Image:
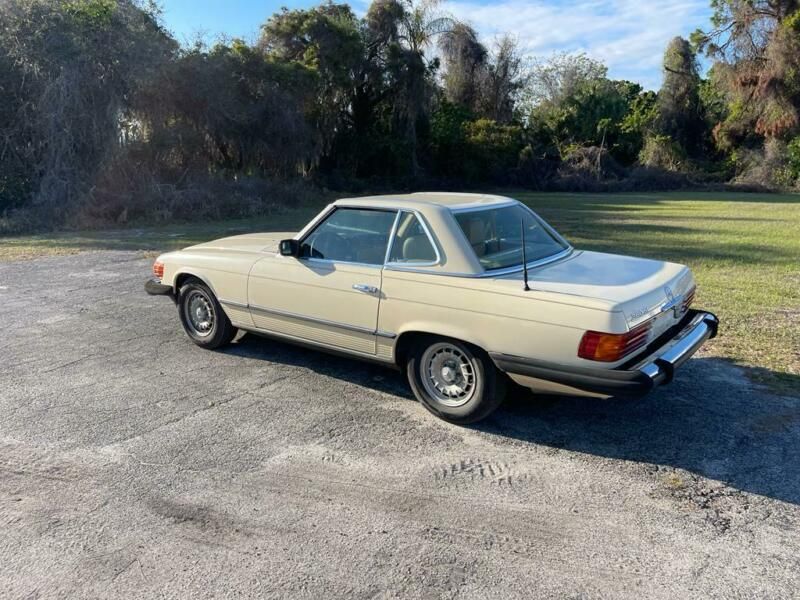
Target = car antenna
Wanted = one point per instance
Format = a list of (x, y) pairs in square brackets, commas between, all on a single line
[(524, 260)]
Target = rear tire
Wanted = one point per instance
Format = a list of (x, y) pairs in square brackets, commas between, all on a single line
[(202, 317), (456, 382)]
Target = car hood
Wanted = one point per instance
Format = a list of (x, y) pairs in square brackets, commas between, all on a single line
[(638, 287), (250, 242)]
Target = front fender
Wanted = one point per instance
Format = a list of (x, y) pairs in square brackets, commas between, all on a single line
[(193, 273)]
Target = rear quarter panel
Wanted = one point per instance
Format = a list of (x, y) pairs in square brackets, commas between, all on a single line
[(532, 324)]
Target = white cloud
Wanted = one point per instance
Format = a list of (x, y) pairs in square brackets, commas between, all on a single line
[(628, 35)]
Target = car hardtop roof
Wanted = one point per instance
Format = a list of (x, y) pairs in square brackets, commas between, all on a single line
[(449, 200)]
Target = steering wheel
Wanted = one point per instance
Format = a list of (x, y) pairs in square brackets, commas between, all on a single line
[(328, 241)]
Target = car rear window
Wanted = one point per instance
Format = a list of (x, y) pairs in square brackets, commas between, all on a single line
[(495, 235)]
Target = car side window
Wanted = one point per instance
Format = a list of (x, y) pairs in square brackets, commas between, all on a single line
[(411, 243), (351, 235)]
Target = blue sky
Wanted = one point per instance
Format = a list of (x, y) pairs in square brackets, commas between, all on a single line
[(628, 35)]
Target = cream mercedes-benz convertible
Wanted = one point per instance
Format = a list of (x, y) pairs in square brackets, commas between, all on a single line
[(462, 291)]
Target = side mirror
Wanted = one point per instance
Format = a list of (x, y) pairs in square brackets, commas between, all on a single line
[(290, 248)]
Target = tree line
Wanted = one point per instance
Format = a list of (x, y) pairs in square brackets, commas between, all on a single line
[(105, 117)]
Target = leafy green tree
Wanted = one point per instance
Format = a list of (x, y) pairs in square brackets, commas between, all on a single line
[(489, 84), (447, 138), (375, 80), (680, 111), (642, 114), (233, 109), (756, 46), (415, 27), (597, 112), (505, 79), (465, 65), (327, 41), (76, 68), (492, 149), (791, 174), (662, 152), (552, 81), (472, 149), (714, 99), (96, 99), (569, 102)]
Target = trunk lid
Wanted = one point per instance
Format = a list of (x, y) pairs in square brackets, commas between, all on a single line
[(637, 287)]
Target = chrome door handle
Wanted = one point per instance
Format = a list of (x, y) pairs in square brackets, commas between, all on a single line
[(367, 289)]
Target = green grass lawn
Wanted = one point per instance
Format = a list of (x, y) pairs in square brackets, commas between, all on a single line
[(743, 248), (149, 239)]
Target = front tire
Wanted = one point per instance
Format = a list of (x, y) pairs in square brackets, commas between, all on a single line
[(456, 382), (202, 316)]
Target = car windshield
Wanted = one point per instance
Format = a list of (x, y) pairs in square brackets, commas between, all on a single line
[(495, 235)]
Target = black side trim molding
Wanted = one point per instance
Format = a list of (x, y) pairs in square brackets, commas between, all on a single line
[(603, 381), (156, 288)]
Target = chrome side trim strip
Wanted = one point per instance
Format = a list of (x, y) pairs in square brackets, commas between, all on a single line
[(531, 265), (431, 238), (232, 303), (299, 341), (547, 226), (328, 261), (486, 274), (392, 233), (291, 315), (429, 235)]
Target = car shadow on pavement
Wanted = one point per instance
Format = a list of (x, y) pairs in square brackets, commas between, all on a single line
[(712, 421), (375, 376)]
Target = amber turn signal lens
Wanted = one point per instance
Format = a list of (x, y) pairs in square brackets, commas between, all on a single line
[(611, 347), (158, 269)]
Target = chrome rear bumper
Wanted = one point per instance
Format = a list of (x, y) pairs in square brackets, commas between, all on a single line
[(660, 366), (662, 357)]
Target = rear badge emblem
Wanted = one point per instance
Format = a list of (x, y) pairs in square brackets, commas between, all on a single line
[(674, 304)]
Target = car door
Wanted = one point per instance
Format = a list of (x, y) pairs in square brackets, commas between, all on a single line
[(331, 292)]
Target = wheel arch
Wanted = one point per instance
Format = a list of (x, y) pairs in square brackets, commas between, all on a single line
[(184, 275), (408, 338)]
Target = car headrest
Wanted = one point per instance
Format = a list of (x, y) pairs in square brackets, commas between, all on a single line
[(417, 247), (476, 231), (477, 236)]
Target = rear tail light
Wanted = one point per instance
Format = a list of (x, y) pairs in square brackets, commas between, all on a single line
[(158, 270), (611, 347)]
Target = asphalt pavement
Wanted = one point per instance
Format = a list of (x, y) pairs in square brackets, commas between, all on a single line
[(134, 464)]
